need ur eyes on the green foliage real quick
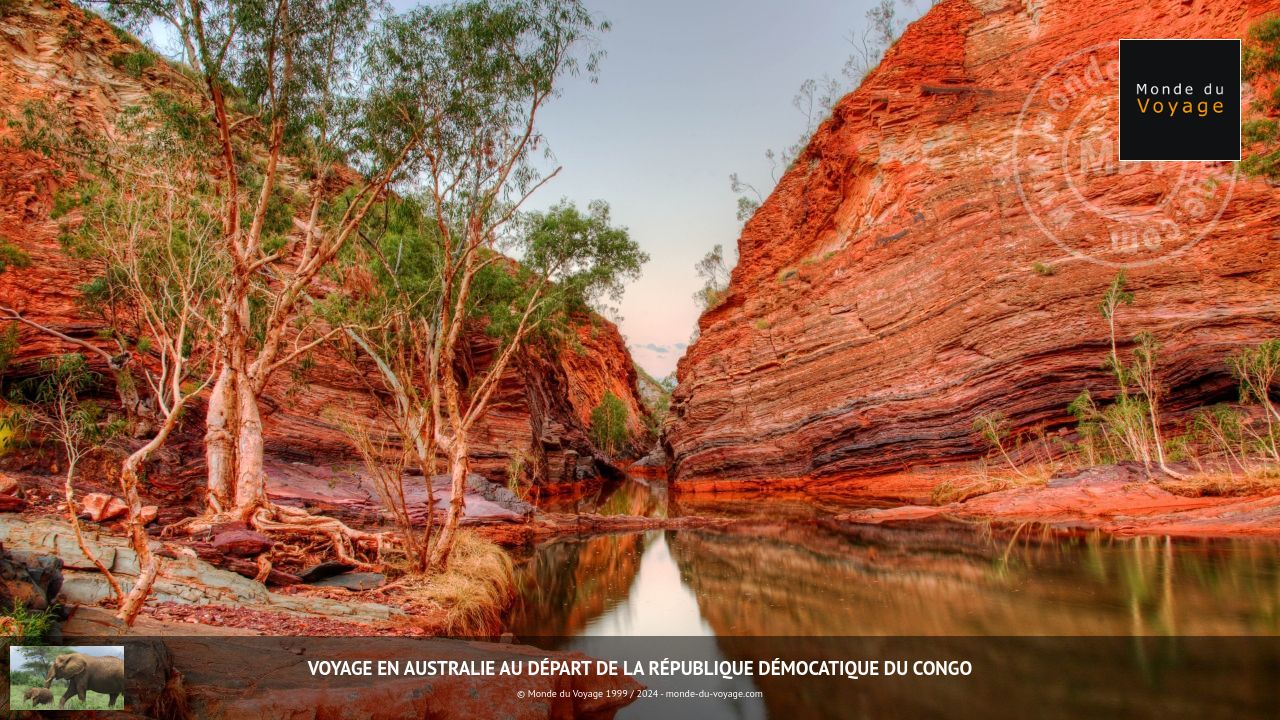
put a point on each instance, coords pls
(63, 374)
(1262, 57)
(518, 470)
(1220, 428)
(714, 272)
(30, 625)
(1260, 130)
(135, 63)
(12, 256)
(656, 395)
(1257, 369)
(56, 398)
(1115, 296)
(571, 260)
(8, 346)
(25, 678)
(993, 427)
(1044, 269)
(183, 121)
(40, 657)
(584, 256)
(277, 221)
(609, 424)
(1262, 49)
(1129, 427)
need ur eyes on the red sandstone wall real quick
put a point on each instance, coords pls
(885, 293)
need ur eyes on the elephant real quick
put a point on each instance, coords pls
(38, 696)
(86, 672)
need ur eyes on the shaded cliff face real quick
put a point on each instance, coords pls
(924, 262)
(53, 52)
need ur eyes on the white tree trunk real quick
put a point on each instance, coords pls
(251, 486)
(459, 468)
(220, 442)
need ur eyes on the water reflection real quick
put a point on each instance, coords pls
(790, 574)
(628, 496)
(891, 584)
(791, 583)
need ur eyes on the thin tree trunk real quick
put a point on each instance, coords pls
(75, 526)
(459, 468)
(1155, 433)
(148, 563)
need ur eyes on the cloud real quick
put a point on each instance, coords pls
(681, 346)
(655, 348)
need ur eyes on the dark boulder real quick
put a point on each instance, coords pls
(32, 580)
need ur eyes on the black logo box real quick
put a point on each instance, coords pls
(1188, 64)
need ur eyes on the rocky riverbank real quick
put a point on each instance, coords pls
(1120, 500)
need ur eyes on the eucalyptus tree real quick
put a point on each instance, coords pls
(569, 260)
(477, 75)
(442, 100)
(56, 402)
(144, 227)
(282, 83)
(151, 236)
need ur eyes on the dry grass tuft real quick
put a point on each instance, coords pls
(1260, 480)
(984, 482)
(472, 594)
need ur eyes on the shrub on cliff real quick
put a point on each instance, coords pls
(12, 256)
(1262, 58)
(1128, 427)
(1258, 369)
(714, 272)
(609, 423)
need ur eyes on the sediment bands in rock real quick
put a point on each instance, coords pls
(54, 53)
(896, 284)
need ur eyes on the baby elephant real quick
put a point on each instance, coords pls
(38, 696)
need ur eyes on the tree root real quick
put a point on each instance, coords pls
(264, 568)
(282, 520)
(345, 539)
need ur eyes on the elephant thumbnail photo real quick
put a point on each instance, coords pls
(61, 677)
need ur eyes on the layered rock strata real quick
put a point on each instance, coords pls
(939, 249)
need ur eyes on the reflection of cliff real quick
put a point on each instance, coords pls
(567, 584)
(628, 496)
(807, 581)
(815, 585)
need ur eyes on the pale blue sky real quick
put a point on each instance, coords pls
(688, 92)
(18, 661)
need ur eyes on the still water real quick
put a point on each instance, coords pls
(788, 574)
(789, 583)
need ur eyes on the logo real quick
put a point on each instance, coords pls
(1180, 100)
(1078, 192)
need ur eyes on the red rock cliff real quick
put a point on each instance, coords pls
(925, 261)
(54, 52)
